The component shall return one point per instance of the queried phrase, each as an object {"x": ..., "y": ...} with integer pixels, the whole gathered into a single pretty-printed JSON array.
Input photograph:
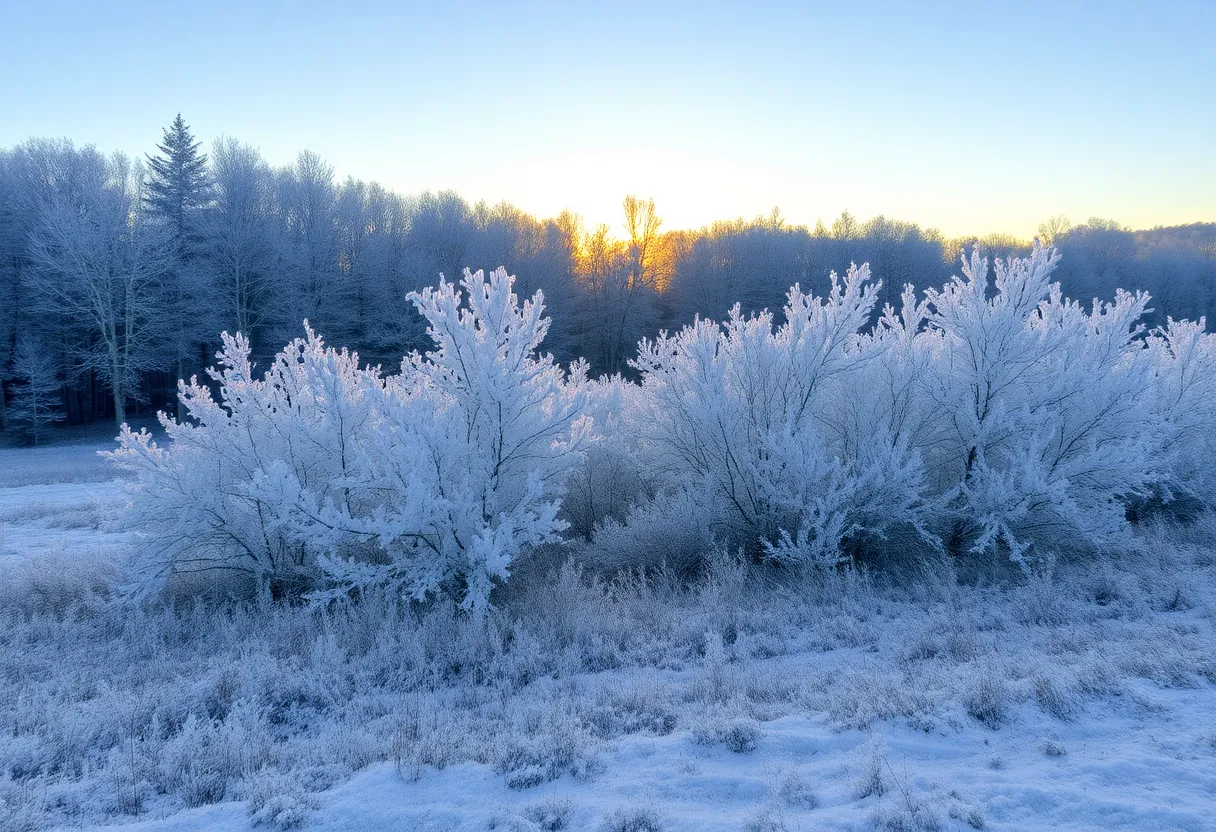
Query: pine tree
[
  {"x": 178, "y": 183},
  {"x": 177, "y": 188}
]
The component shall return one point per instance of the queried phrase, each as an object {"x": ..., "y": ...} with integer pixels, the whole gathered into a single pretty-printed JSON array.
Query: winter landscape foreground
[
  {"x": 1081, "y": 700},
  {"x": 948, "y": 567}
]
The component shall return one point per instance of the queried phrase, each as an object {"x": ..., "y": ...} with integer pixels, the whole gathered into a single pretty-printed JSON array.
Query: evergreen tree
[
  {"x": 175, "y": 191},
  {"x": 178, "y": 183}
]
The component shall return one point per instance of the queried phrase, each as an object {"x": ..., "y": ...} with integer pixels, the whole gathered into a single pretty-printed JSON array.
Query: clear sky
[{"x": 969, "y": 117}]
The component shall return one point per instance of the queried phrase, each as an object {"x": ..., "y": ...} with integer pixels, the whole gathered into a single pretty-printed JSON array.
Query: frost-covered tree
[
  {"x": 11, "y": 250},
  {"x": 237, "y": 240},
  {"x": 619, "y": 282},
  {"x": 100, "y": 268},
  {"x": 310, "y": 285},
  {"x": 752, "y": 264},
  {"x": 37, "y": 396},
  {"x": 511, "y": 422},
  {"x": 325, "y": 474},
  {"x": 221, "y": 494}
]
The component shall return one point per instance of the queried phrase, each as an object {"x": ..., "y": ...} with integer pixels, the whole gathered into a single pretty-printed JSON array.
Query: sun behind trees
[{"x": 127, "y": 273}]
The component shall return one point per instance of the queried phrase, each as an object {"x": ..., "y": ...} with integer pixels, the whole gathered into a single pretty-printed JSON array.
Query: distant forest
[{"x": 118, "y": 274}]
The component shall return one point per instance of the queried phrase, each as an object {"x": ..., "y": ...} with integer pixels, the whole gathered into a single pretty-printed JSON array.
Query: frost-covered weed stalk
[
  {"x": 326, "y": 474},
  {"x": 982, "y": 416}
]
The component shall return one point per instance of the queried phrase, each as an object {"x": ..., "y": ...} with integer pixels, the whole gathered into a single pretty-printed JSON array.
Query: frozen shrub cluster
[
  {"x": 990, "y": 415},
  {"x": 1051, "y": 748},
  {"x": 553, "y": 741},
  {"x": 765, "y": 820},
  {"x": 872, "y": 780},
  {"x": 796, "y": 790},
  {"x": 672, "y": 532},
  {"x": 324, "y": 473},
  {"x": 988, "y": 700}
]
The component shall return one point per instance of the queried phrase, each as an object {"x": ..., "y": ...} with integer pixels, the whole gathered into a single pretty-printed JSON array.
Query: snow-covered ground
[
  {"x": 1143, "y": 762},
  {"x": 1083, "y": 699},
  {"x": 56, "y": 499}
]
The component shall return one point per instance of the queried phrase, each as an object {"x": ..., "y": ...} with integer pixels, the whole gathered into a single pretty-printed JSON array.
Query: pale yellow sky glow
[{"x": 694, "y": 188}]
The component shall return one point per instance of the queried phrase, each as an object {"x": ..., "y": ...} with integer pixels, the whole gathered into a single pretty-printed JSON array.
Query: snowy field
[
  {"x": 1144, "y": 763},
  {"x": 54, "y": 500},
  {"x": 914, "y": 699}
]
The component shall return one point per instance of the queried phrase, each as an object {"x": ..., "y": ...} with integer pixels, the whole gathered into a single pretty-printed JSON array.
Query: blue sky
[{"x": 967, "y": 117}]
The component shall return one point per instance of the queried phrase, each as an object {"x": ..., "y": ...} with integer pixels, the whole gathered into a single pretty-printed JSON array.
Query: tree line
[{"x": 117, "y": 274}]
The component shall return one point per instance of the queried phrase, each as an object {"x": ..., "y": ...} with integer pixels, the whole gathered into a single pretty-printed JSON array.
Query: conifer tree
[
  {"x": 178, "y": 182},
  {"x": 175, "y": 191}
]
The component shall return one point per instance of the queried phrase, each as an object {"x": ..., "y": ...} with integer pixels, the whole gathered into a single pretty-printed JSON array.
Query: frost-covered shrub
[
  {"x": 1051, "y": 748},
  {"x": 552, "y": 743},
  {"x": 727, "y": 726},
  {"x": 55, "y": 580},
  {"x": 1045, "y": 407},
  {"x": 670, "y": 530},
  {"x": 797, "y": 791},
  {"x": 200, "y": 762},
  {"x": 911, "y": 814},
  {"x": 636, "y": 819},
  {"x": 21, "y": 807},
  {"x": 552, "y": 815},
  {"x": 961, "y": 810},
  {"x": 765, "y": 820},
  {"x": 741, "y": 736},
  {"x": 1184, "y": 402},
  {"x": 644, "y": 708},
  {"x": 278, "y": 802},
  {"x": 990, "y": 415},
  {"x": 765, "y": 422},
  {"x": 612, "y": 477},
  {"x": 433, "y": 478},
  {"x": 872, "y": 781},
  {"x": 1055, "y": 695},
  {"x": 988, "y": 698}
]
